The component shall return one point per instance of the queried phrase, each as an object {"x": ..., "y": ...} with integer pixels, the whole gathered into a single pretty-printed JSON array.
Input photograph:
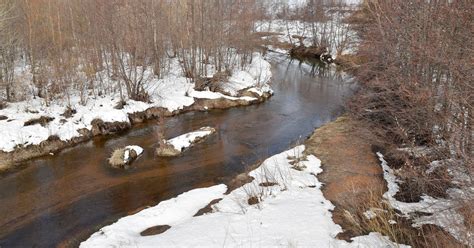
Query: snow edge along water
[
  {"x": 290, "y": 210},
  {"x": 173, "y": 93}
]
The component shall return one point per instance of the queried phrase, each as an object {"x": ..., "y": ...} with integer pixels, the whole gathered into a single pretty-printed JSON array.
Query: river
[{"x": 62, "y": 199}]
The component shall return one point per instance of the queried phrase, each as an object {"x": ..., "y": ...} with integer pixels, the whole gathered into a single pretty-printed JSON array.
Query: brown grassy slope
[
  {"x": 353, "y": 182},
  {"x": 352, "y": 174}
]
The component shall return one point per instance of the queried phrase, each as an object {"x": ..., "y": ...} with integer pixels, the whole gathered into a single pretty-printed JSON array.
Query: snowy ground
[
  {"x": 343, "y": 38},
  {"x": 172, "y": 92},
  {"x": 291, "y": 211},
  {"x": 443, "y": 212},
  {"x": 186, "y": 140}
]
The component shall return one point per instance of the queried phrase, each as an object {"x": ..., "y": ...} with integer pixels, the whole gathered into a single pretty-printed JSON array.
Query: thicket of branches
[
  {"x": 320, "y": 22},
  {"x": 417, "y": 78},
  {"x": 65, "y": 43}
]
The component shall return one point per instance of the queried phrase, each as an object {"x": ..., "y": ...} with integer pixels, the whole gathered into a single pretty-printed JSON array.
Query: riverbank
[
  {"x": 335, "y": 179},
  {"x": 356, "y": 181},
  {"x": 100, "y": 195},
  {"x": 31, "y": 128},
  {"x": 282, "y": 205}
]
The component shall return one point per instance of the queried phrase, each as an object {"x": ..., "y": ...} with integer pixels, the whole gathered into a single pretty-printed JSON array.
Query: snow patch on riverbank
[
  {"x": 173, "y": 92},
  {"x": 442, "y": 212},
  {"x": 290, "y": 210}
]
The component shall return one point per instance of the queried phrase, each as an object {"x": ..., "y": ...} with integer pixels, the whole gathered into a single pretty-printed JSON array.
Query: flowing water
[{"x": 62, "y": 199}]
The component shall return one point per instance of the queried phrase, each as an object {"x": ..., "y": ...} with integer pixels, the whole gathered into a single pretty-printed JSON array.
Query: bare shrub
[
  {"x": 43, "y": 121},
  {"x": 417, "y": 60},
  {"x": 98, "y": 47},
  {"x": 414, "y": 89},
  {"x": 69, "y": 112}
]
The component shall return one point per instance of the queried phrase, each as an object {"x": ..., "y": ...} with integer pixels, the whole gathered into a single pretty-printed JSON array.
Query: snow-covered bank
[
  {"x": 174, "y": 92},
  {"x": 283, "y": 206},
  {"x": 176, "y": 145},
  {"x": 438, "y": 211},
  {"x": 344, "y": 39}
]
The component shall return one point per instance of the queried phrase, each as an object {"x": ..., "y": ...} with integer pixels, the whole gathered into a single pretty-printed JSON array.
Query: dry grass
[
  {"x": 386, "y": 220},
  {"x": 43, "y": 120},
  {"x": 350, "y": 168},
  {"x": 296, "y": 162},
  {"x": 349, "y": 61},
  {"x": 69, "y": 112},
  {"x": 167, "y": 150},
  {"x": 4, "y": 166},
  {"x": 3, "y": 104},
  {"x": 354, "y": 184},
  {"x": 399, "y": 229},
  {"x": 467, "y": 211},
  {"x": 116, "y": 160},
  {"x": 271, "y": 177}
]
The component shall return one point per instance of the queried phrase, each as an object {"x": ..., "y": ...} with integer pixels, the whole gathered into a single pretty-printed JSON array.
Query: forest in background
[
  {"x": 60, "y": 45},
  {"x": 65, "y": 43}
]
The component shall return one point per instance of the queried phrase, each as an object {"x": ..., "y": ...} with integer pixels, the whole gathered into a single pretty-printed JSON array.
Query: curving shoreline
[{"x": 53, "y": 144}]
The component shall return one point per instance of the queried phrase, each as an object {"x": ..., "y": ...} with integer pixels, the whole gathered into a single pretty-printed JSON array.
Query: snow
[
  {"x": 171, "y": 212},
  {"x": 186, "y": 140},
  {"x": 255, "y": 74},
  {"x": 369, "y": 214},
  {"x": 342, "y": 37},
  {"x": 293, "y": 212},
  {"x": 173, "y": 92},
  {"x": 443, "y": 212},
  {"x": 217, "y": 95},
  {"x": 138, "y": 150}
]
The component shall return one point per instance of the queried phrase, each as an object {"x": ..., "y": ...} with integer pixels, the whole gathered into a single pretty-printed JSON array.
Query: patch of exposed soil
[
  {"x": 267, "y": 184},
  {"x": 69, "y": 112},
  {"x": 351, "y": 171},
  {"x": 353, "y": 178},
  {"x": 207, "y": 208},
  {"x": 253, "y": 200},
  {"x": 155, "y": 230},
  {"x": 43, "y": 120}
]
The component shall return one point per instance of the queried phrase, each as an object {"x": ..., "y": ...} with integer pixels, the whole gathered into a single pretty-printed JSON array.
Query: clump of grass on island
[
  {"x": 123, "y": 157},
  {"x": 167, "y": 150}
]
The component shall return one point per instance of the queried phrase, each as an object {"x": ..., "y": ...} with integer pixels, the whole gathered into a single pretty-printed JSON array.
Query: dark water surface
[{"x": 62, "y": 199}]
